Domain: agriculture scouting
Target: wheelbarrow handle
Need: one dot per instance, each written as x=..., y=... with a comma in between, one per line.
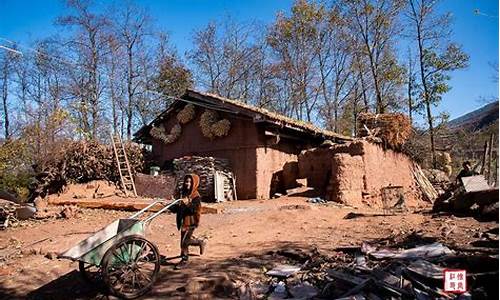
x=145, y=209
x=156, y=214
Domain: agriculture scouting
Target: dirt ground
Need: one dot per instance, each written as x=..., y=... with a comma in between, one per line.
x=239, y=240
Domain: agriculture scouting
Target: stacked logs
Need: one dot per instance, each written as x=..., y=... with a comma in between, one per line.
x=205, y=168
x=392, y=129
x=80, y=162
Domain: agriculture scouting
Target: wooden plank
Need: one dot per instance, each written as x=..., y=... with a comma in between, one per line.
x=346, y=277
x=358, y=288
x=122, y=205
x=475, y=183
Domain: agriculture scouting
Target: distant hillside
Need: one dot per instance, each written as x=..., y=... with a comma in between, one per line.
x=476, y=120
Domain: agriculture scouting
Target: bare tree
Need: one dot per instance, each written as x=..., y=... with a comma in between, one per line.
x=374, y=28
x=88, y=46
x=227, y=59
x=5, y=79
x=436, y=56
x=294, y=41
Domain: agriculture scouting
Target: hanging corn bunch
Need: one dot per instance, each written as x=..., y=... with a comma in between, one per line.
x=159, y=133
x=211, y=127
x=208, y=118
x=187, y=114
x=221, y=128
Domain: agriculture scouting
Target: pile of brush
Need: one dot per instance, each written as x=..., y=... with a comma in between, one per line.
x=392, y=130
x=80, y=162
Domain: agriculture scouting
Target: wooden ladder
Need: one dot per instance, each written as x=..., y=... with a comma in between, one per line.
x=123, y=166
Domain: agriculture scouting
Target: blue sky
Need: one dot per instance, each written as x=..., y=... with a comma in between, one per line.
x=23, y=21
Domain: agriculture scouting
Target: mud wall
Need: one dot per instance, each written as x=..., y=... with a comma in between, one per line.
x=357, y=171
x=361, y=169
x=316, y=166
x=239, y=147
x=271, y=160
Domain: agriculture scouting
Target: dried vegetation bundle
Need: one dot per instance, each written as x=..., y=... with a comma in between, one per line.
x=212, y=127
x=393, y=129
x=160, y=133
x=187, y=114
x=82, y=161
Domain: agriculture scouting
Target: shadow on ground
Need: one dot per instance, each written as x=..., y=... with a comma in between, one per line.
x=171, y=283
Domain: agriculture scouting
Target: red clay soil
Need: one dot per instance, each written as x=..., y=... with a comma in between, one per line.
x=238, y=240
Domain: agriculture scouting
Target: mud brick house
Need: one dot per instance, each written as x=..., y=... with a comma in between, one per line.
x=258, y=144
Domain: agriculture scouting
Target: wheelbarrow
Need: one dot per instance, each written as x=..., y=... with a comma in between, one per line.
x=120, y=256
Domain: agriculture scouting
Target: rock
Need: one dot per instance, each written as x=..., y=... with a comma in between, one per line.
x=25, y=212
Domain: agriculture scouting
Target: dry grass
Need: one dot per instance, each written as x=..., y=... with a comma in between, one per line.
x=393, y=129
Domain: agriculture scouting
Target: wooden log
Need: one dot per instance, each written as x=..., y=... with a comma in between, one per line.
x=123, y=205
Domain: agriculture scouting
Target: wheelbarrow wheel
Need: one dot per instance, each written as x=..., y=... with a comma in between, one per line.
x=90, y=273
x=130, y=267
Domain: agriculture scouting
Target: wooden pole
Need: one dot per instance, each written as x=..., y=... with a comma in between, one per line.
x=490, y=154
x=483, y=162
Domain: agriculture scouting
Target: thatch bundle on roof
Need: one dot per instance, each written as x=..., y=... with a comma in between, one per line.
x=393, y=129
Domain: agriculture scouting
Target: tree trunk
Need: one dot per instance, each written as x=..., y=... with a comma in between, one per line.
x=431, y=134
x=130, y=93
x=5, y=94
x=427, y=97
x=410, y=104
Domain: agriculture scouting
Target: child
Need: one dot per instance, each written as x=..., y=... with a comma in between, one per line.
x=188, y=216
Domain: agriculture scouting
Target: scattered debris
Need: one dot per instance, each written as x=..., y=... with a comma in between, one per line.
x=317, y=200
x=431, y=250
x=303, y=291
x=69, y=212
x=283, y=271
x=429, y=192
x=8, y=214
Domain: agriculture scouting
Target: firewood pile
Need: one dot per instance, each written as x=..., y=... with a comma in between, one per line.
x=80, y=162
x=393, y=130
x=205, y=168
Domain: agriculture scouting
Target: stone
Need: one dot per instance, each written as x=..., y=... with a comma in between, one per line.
x=25, y=212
